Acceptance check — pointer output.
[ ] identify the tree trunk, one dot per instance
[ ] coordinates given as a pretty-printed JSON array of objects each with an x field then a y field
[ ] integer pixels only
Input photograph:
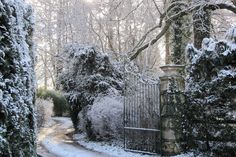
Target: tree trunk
[
  {"x": 201, "y": 26},
  {"x": 177, "y": 37}
]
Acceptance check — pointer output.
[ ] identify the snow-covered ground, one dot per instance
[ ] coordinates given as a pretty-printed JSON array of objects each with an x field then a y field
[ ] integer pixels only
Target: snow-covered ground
[
  {"x": 112, "y": 149},
  {"x": 53, "y": 142},
  {"x": 53, "y": 138}
]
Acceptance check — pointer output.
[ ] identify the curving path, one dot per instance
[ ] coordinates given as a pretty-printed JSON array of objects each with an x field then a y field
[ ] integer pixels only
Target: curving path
[{"x": 54, "y": 142}]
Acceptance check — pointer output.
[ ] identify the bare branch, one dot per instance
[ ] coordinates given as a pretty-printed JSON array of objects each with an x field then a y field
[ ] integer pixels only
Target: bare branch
[
  {"x": 157, "y": 7},
  {"x": 123, "y": 18},
  {"x": 145, "y": 36},
  {"x": 163, "y": 31},
  {"x": 169, "y": 19},
  {"x": 118, "y": 5},
  {"x": 221, "y": 6},
  {"x": 97, "y": 34}
]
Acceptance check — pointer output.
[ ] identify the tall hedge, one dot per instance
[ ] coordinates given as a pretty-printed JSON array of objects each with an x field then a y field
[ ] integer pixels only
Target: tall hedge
[
  {"x": 17, "y": 119},
  {"x": 211, "y": 91}
]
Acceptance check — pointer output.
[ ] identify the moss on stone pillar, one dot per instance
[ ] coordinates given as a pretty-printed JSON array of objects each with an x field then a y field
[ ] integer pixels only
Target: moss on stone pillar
[{"x": 171, "y": 87}]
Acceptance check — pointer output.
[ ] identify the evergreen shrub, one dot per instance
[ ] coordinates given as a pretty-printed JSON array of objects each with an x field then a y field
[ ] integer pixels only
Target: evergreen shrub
[
  {"x": 60, "y": 104},
  {"x": 211, "y": 93},
  {"x": 88, "y": 74}
]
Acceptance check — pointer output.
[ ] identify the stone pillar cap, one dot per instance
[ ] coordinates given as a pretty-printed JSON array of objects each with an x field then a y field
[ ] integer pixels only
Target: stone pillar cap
[{"x": 172, "y": 69}]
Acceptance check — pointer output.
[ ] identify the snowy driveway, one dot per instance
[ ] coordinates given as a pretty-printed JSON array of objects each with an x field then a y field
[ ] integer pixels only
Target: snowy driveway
[{"x": 53, "y": 141}]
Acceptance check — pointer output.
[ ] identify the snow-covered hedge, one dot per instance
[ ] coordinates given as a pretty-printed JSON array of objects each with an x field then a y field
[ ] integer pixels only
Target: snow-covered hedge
[
  {"x": 211, "y": 90},
  {"x": 87, "y": 75},
  {"x": 17, "y": 119}
]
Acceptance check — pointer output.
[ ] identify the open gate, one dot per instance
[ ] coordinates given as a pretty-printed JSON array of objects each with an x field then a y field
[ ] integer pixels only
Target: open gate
[{"x": 141, "y": 115}]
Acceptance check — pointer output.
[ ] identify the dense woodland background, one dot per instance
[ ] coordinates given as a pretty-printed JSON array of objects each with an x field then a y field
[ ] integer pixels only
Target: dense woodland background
[{"x": 123, "y": 27}]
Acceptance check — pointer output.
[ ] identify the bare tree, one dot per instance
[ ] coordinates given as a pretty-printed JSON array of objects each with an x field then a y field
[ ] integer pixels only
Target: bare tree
[
  {"x": 119, "y": 27},
  {"x": 186, "y": 9}
]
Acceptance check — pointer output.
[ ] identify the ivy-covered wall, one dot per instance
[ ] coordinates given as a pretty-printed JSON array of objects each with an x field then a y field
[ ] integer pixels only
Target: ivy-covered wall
[
  {"x": 17, "y": 124},
  {"x": 211, "y": 93}
]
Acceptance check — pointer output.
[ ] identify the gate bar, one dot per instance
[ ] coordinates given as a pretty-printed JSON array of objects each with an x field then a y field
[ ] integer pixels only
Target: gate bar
[{"x": 141, "y": 129}]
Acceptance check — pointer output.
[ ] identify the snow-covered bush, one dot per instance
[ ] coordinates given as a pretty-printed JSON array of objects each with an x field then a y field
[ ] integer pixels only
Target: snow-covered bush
[
  {"x": 211, "y": 91},
  {"x": 86, "y": 75},
  {"x": 104, "y": 117},
  {"x": 17, "y": 118},
  {"x": 60, "y": 104},
  {"x": 43, "y": 111}
]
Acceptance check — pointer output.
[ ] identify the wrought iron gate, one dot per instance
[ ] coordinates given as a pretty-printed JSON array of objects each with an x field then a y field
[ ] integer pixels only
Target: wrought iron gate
[{"x": 141, "y": 115}]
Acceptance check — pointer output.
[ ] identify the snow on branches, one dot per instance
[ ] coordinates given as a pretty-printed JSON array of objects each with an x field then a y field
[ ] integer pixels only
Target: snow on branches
[
  {"x": 211, "y": 88},
  {"x": 86, "y": 76},
  {"x": 184, "y": 8}
]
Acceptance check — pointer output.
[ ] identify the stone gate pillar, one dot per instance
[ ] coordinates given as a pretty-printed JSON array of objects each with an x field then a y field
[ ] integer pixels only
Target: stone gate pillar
[{"x": 171, "y": 87}]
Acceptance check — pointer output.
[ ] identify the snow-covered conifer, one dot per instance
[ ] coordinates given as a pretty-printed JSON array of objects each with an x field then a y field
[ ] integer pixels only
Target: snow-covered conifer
[
  {"x": 87, "y": 75},
  {"x": 211, "y": 90}
]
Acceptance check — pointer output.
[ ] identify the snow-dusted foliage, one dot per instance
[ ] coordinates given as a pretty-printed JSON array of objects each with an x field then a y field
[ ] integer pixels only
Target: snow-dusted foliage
[
  {"x": 211, "y": 90},
  {"x": 60, "y": 105},
  {"x": 17, "y": 119},
  {"x": 43, "y": 111},
  {"x": 105, "y": 117},
  {"x": 88, "y": 74}
]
